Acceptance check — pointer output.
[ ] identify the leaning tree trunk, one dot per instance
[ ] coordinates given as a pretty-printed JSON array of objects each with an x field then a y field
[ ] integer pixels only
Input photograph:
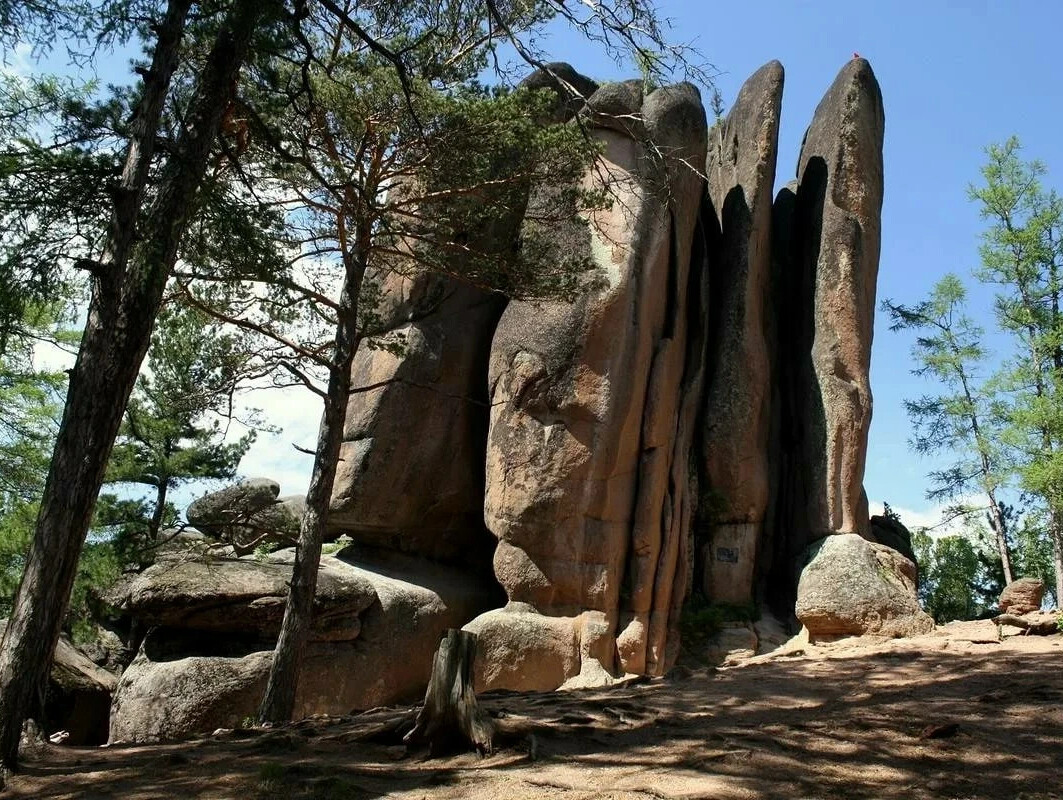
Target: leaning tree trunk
[
  {"x": 278, "y": 703},
  {"x": 450, "y": 719},
  {"x": 127, "y": 293}
]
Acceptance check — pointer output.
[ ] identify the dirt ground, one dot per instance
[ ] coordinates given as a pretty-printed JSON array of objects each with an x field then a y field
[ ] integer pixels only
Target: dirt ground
[{"x": 919, "y": 718}]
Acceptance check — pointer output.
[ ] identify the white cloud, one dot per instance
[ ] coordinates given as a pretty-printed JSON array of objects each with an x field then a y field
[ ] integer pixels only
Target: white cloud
[
  {"x": 935, "y": 519},
  {"x": 297, "y": 412}
]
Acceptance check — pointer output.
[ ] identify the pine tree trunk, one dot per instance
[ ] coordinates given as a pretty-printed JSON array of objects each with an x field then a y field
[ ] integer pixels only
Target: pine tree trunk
[
  {"x": 1056, "y": 527},
  {"x": 278, "y": 703},
  {"x": 127, "y": 292},
  {"x": 450, "y": 719},
  {"x": 1000, "y": 532}
]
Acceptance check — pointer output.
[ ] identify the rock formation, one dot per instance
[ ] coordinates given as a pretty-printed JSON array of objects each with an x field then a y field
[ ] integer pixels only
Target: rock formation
[
  {"x": 586, "y": 462},
  {"x": 735, "y": 432},
  {"x": 78, "y": 697},
  {"x": 878, "y": 595},
  {"x": 555, "y": 475},
  {"x": 1022, "y": 596}
]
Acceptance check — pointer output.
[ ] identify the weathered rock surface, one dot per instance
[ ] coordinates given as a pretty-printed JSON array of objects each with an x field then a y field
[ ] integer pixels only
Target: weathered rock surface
[
  {"x": 1022, "y": 596},
  {"x": 241, "y": 596},
  {"x": 248, "y": 515},
  {"x": 78, "y": 697},
  {"x": 411, "y": 477},
  {"x": 584, "y": 447},
  {"x": 826, "y": 238},
  {"x": 188, "y": 681},
  {"x": 840, "y": 194},
  {"x": 852, "y": 587},
  {"x": 734, "y": 447},
  {"x": 523, "y": 650}
]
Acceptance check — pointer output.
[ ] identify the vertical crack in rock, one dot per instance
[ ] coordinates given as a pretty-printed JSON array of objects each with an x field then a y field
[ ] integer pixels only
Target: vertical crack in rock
[{"x": 737, "y": 418}]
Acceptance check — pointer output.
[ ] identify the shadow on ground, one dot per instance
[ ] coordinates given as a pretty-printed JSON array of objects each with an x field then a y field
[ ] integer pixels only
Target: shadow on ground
[{"x": 918, "y": 719}]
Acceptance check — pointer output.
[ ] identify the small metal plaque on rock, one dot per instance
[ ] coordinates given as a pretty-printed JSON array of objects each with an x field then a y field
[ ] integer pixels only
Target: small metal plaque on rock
[{"x": 727, "y": 554}]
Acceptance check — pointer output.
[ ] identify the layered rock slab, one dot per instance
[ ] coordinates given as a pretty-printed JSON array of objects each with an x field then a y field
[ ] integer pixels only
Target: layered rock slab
[
  {"x": 188, "y": 680},
  {"x": 589, "y": 435},
  {"x": 733, "y": 452}
]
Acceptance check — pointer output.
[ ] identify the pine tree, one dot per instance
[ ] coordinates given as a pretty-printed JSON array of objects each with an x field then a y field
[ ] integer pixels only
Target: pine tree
[
  {"x": 175, "y": 426},
  {"x": 1022, "y": 255},
  {"x": 961, "y": 419}
]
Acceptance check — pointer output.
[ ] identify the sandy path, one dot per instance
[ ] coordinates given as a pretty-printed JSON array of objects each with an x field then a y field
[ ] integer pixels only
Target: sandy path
[{"x": 848, "y": 720}]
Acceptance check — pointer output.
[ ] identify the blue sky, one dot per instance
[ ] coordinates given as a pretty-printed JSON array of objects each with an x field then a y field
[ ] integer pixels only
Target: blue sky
[{"x": 955, "y": 76}]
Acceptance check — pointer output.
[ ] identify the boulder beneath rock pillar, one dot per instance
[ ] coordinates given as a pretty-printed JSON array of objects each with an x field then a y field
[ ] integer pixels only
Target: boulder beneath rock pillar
[{"x": 851, "y": 587}]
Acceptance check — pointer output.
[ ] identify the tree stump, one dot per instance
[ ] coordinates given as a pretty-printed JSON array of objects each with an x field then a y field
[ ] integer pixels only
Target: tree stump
[{"x": 450, "y": 719}]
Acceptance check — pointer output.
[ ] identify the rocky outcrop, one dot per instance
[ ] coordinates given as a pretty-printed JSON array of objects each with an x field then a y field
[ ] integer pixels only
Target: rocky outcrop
[
  {"x": 411, "y": 477},
  {"x": 1022, "y": 596},
  {"x": 586, "y": 461},
  {"x": 553, "y": 475},
  {"x": 77, "y": 701},
  {"x": 852, "y": 587},
  {"x": 737, "y": 415},
  {"x": 825, "y": 259},
  {"x": 249, "y": 515},
  {"x": 194, "y": 675},
  {"x": 241, "y": 596},
  {"x": 840, "y": 195}
]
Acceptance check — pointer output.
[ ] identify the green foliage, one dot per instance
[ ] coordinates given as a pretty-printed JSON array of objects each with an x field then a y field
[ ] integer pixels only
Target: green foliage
[
  {"x": 30, "y": 398},
  {"x": 962, "y": 418},
  {"x": 173, "y": 430},
  {"x": 700, "y": 620},
  {"x": 955, "y": 577}
]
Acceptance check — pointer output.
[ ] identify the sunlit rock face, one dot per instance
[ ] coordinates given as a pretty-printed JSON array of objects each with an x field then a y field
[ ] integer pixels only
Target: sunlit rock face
[{"x": 593, "y": 401}]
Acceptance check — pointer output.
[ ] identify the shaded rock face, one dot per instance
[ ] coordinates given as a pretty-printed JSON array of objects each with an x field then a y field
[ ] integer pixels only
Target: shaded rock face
[
  {"x": 733, "y": 452},
  {"x": 852, "y": 587},
  {"x": 78, "y": 696},
  {"x": 892, "y": 533},
  {"x": 411, "y": 476},
  {"x": 1022, "y": 596}
]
